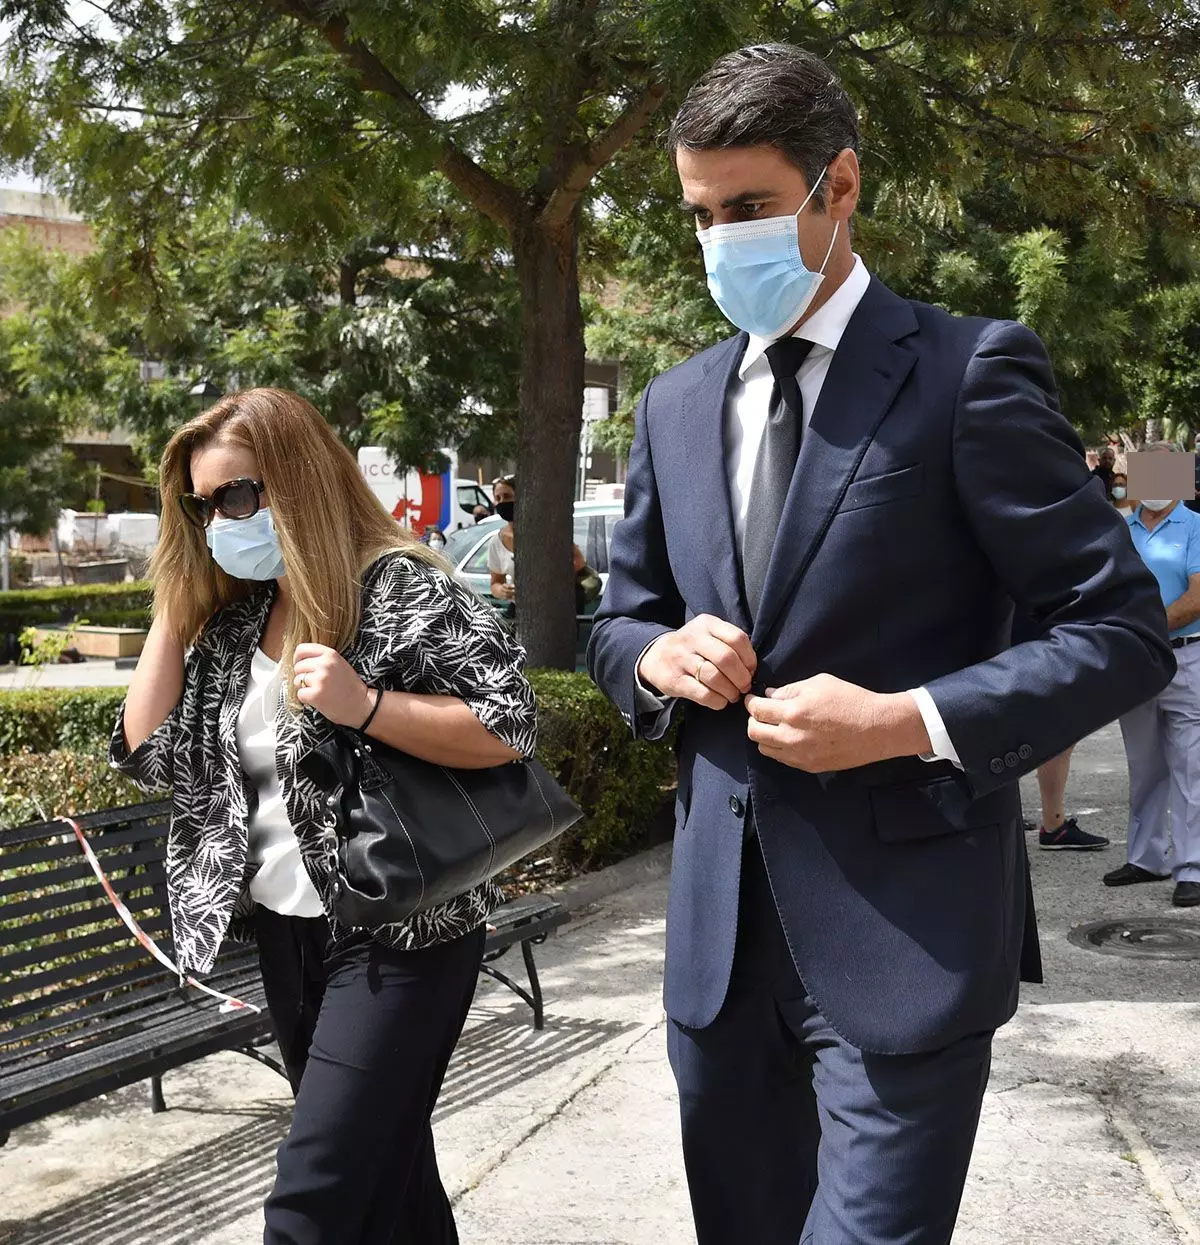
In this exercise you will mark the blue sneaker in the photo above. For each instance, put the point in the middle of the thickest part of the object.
(1069, 838)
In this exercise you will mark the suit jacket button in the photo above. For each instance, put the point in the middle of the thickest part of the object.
(1024, 752)
(996, 765)
(735, 806)
(1011, 760)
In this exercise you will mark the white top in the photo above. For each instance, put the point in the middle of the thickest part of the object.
(281, 882)
(747, 406)
(501, 559)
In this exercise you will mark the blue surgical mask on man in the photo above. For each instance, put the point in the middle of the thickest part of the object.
(247, 548)
(756, 274)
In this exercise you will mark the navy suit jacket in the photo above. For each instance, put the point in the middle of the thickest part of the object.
(937, 482)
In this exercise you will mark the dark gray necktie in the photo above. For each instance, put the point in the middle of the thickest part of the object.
(774, 466)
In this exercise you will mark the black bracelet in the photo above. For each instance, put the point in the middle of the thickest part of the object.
(362, 730)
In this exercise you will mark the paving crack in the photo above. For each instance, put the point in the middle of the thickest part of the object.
(537, 1120)
(1155, 1175)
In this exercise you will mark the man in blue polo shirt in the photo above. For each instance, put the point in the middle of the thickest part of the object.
(1162, 737)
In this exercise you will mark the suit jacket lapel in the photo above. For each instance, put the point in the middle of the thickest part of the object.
(703, 452)
(865, 374)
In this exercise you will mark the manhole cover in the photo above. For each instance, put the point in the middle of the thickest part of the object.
(1141, 939)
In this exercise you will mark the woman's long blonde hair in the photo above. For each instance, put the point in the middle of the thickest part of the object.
(331, 526)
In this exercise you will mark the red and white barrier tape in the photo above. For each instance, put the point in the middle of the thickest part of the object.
(228, 1002)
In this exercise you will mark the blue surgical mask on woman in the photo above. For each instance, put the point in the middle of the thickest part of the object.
(247, 548)
(756, 273)
(1118, 492)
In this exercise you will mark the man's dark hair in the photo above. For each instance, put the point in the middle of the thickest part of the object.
(770, 95)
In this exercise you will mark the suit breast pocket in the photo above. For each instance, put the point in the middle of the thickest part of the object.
(881, 489)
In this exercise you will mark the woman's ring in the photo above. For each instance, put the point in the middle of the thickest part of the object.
(304, 680)
(700, 667)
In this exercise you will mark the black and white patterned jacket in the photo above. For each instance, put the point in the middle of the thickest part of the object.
(420, 632)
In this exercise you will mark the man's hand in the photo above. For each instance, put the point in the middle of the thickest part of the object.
(708, 661)
(825, 724)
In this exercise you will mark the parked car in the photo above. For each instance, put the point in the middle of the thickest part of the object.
(467, 551)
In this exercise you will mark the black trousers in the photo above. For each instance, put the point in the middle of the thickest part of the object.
(790, 1134)
(366, 1034)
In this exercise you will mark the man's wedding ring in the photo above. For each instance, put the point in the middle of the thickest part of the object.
(304, 680)
(700, 667)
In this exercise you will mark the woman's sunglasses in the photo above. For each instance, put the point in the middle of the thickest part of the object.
(235, 499)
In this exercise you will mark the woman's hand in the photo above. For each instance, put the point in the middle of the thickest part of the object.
(325, 680)
(504, 591)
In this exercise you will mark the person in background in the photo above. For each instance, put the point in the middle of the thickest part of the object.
(501, 548)
(435, 538)
(286, 601)
(1104, 470)
(1057, 831)
(480, 513)
(1194, 502)
(1120, 493)
(1162, 736)
(501, 559)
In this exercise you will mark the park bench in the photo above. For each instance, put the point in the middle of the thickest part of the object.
(85, 1010)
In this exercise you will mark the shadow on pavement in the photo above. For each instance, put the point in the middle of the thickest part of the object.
(505, 1051)
(212, 1185)
(220, 1182)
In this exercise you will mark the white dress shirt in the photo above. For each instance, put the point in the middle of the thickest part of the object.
(747, 407)
(281, 883)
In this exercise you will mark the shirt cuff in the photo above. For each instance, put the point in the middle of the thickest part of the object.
(939, 737)
(655, 710)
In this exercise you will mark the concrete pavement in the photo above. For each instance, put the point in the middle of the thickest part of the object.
(78, 674)
(1088, 1134)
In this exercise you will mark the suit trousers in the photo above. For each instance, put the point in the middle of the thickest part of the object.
(1162, 746)
(791, 1134)
(366, 1032)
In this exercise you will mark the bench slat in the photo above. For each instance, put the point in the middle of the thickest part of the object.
(67, 866)
(158, 811)
(94, 966)
(151, 878)
(188, 1028)
(113, 933)
(63, 844)
(87, 910)
(20, 1017)
(131, 1013)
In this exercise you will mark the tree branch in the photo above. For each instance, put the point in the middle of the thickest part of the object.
(497, 200)
(566, 195)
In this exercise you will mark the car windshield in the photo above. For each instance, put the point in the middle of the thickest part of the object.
(459, 544)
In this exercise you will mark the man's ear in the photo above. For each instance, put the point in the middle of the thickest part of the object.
(843, 183)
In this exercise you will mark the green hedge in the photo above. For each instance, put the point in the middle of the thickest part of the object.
(107, 605)
(52, 743)
(619, 782)
(46, 719)
(59, 783)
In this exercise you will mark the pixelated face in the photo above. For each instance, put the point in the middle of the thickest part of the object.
(1161, 474)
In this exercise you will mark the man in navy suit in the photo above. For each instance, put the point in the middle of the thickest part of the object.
(828, 517)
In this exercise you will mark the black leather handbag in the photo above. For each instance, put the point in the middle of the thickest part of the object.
(411, 835)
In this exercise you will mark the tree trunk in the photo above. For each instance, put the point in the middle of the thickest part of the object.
(551, 416)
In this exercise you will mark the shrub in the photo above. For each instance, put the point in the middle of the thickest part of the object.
(59, 783)
(31, 607)
(619, 782)
(46, 719)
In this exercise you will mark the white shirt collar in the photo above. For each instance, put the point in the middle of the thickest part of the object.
(826, 325)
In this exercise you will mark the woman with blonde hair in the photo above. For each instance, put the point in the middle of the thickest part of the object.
(286, 599)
